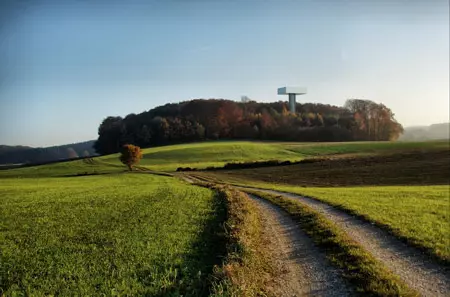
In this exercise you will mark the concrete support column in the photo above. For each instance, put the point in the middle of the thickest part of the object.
(292, 103)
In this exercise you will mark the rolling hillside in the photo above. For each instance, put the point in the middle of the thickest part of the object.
(206, 154)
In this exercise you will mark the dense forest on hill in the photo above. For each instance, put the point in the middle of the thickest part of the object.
(202, 119)
(30, 155)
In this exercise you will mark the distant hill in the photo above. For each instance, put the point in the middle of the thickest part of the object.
(432, 132)
(13, 148)
(30, 155)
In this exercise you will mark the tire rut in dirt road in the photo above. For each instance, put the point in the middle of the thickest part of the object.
(305, 270)
(410, 264)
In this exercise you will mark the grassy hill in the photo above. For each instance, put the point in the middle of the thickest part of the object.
(202, 155)
(206, 154)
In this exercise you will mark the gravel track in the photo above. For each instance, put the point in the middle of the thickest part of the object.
(409, 263)
(305, 271)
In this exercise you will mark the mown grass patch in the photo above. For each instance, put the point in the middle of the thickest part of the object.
(369, 276)
(123, 234)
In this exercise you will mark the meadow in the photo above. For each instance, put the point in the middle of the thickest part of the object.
(119, 234)
(87, 227)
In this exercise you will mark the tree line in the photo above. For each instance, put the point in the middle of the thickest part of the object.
(200, 119)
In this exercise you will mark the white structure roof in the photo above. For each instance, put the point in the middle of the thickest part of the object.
(291, 90)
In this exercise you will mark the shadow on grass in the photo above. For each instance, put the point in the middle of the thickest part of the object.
(209, 249)
(85, 174)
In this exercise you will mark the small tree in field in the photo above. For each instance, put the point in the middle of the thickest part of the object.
(130, 155)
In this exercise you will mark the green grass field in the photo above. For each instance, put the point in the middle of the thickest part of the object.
(119, 234)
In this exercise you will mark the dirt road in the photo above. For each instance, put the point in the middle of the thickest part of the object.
(409, 263)
(305, 270)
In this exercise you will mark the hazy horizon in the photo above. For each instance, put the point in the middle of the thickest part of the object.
(65, 67)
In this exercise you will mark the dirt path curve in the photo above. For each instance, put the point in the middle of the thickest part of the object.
(305, 270)
(414, 268)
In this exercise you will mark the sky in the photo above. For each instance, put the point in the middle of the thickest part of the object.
(67, 65)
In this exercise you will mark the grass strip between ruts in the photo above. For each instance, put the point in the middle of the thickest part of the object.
(247, 269)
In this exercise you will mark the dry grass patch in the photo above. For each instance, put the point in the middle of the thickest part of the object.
(248, 268)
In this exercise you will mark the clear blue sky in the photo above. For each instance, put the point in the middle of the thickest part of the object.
(66, 65)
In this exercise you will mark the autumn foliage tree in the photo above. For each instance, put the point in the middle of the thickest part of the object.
(130, 155)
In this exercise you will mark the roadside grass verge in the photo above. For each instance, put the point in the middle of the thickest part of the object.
(248, 268)
(111, 235)
(369, 277)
